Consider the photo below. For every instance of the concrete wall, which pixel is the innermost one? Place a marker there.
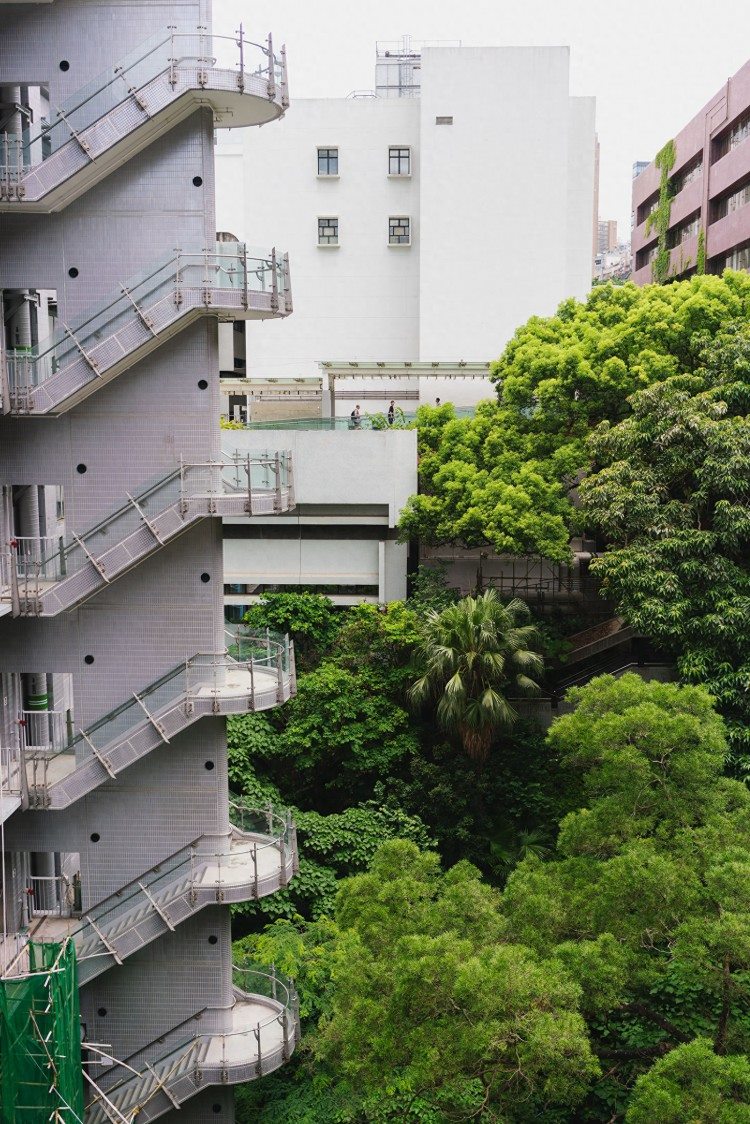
(350, 488)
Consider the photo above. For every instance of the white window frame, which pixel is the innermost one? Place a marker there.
(399, 175)
(329, 245)
(326, 148)
(397, 218)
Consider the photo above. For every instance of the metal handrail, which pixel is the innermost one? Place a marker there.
(123, 80)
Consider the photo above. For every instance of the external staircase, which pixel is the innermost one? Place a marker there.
(255, 672)
(259, 1033)
(49, 576)
(129, 106)
(256, 858)
(226, 281)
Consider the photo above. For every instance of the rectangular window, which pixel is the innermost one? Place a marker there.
(399, 231)
(723, 207)
(399, 161)
(443, 120)
(328, 161)
(738, 259)
(328, 231)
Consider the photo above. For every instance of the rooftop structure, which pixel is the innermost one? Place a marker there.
(122, 848)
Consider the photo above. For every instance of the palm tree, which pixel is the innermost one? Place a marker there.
(471, 653)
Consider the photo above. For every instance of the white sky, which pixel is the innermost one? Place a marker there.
(651, 64)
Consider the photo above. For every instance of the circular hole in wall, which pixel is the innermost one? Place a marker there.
(197, 181)
(64, 64)
(205, 577)
(213, 939)
(88, 659)
(209, 765)
(202, 384)
(217, 1108)
(95, 837)
(81, 468)
(72, 272)
(101, 1012)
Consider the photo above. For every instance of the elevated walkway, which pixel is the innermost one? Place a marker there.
(255, 672)
(226, 281)
(52, 576)
(129, 106)
(261, 1032)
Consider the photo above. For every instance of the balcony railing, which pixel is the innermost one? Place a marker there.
(255, 672)
(244, 82)
(258, 857)
(261, 1032)
(227, 280)
(51, 575)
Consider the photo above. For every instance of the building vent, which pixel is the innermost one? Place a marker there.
(443, 120)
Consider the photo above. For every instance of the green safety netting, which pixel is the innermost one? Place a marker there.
(40, 1040)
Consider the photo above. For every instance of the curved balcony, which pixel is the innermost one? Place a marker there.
(261, 1030)
(255, 672)
(48, 576)
(257, 858)
(130, 105)
(228, 282)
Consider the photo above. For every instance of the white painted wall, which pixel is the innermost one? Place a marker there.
(501, 205)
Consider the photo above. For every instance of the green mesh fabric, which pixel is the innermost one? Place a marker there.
(40, 1040)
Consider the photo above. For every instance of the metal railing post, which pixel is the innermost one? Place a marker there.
(245, 294)
(277, 470)
(241, 44)
(284, 80)
(271, 70)
(274, 282)
(172, 60)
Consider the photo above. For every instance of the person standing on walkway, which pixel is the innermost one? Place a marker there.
(391, 412)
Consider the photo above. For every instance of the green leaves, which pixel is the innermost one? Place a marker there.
(692, 1084)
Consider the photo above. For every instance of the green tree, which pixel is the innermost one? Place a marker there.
(309, 618)
(646, 899)
(432, 1008)
(471, 654)
(503, 478)
(693, 1083)
(670, 495)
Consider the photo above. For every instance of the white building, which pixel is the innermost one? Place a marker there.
(426, 226)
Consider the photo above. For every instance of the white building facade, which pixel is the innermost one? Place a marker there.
(421, 227)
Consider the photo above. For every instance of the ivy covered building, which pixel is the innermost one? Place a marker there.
(690, 205)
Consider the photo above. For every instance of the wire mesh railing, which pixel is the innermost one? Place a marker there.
(263, 481)
(262, 1033)
(260, 674)
(177, 61)
(228, 275)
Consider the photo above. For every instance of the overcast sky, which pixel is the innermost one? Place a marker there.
(651, 64)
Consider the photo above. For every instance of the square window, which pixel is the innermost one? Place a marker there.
(328, 231)
(328, 161)
(399, 231)
(399, 161)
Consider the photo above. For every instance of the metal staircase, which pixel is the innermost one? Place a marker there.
(258, 857)
(49, 576)
(227, 281)
(255, 672)
(259, 1033)
(130, 105)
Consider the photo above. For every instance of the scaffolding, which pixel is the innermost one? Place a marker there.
(40, 1040)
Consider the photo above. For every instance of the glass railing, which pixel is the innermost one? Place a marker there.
(157, 297)
(266, 659)
(222, 1050)
(50, 559)
(373, 421)
(169, 54)
(196, 866)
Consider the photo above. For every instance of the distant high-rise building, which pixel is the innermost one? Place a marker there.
(607, 235)
(638, 167)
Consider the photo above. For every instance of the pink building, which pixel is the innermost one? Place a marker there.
(710, 186)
